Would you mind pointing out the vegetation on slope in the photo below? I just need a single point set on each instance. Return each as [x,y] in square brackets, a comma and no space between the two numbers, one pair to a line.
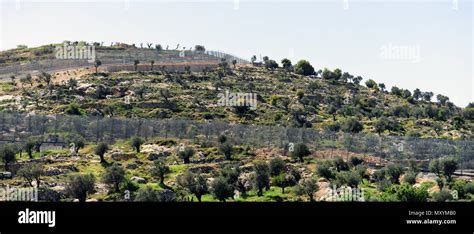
[217,170]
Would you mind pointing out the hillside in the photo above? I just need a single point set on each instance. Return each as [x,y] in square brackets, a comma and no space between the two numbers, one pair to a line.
[215,129]
[284,98]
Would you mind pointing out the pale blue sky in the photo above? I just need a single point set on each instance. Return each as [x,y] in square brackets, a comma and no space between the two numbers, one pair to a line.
[322,32]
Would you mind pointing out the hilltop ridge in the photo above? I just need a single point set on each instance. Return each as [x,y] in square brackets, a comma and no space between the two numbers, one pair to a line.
[293,95]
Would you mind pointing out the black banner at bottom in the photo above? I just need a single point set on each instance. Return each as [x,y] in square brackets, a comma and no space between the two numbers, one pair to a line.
[333,217]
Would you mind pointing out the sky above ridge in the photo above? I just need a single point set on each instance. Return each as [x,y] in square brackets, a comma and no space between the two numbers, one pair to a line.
[411,44]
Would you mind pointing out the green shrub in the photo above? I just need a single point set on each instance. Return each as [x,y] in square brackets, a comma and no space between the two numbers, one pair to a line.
[407,193]
[349,178]
[146,194]
[340,164]
[362,171]
[442,196]
[277,166]
[356,161]
[324,170]
[352,125]
[459,186]
[303,67]
[74,109]
[469,188]
[410,178]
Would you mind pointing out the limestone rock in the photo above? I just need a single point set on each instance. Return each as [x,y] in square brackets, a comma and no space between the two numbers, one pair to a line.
[139,180]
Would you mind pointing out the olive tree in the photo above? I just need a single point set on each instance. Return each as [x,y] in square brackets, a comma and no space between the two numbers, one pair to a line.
[160,170]
[136,143]
[194,183]
[80,186]
[300,151]
[226,149]
[450,165]
[284,180]
[307,188]
[286,63]
[221,189]
[435,167]
[410,178]
[100,150]
[261,179]
[303,67]
[135,64]
[7,155]
[186,153]
[29,147]
[97,64]
[324,170]
[114,176]
[394,171]
[31,172]
[277,166]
